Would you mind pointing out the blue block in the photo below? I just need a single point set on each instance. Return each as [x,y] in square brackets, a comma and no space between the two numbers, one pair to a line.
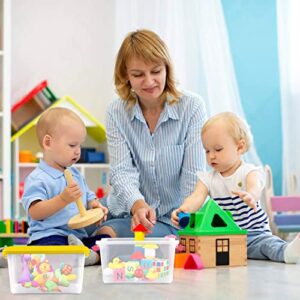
[184,219]
[95,157]
[84,154]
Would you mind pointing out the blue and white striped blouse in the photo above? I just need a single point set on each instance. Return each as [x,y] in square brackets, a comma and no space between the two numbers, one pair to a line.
[159,168]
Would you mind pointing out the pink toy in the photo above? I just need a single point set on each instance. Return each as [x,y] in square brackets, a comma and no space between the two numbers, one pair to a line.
[193,262]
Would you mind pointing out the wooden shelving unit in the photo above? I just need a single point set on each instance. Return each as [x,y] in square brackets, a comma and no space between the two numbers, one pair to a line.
[96,174]
[5,120]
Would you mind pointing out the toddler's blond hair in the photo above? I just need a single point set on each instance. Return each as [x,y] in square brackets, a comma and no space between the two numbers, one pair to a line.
[52,120]
[237,127]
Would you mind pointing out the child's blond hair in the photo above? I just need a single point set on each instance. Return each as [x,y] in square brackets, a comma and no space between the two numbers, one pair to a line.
[237,127]
[51,121]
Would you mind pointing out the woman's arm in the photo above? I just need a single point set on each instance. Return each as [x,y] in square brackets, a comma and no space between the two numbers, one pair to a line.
[194,158]
[124,177]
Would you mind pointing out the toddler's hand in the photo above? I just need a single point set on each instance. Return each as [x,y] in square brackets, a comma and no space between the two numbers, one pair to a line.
[71,193]
[96,204]
[247,198]
[174,216]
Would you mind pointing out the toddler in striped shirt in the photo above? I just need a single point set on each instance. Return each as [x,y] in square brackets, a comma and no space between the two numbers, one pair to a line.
[237,186]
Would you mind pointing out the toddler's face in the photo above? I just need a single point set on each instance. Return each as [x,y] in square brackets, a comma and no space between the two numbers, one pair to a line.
[65,148]
[223,154]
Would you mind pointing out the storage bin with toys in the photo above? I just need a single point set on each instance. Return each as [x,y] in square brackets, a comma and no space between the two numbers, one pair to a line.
[46,269]
[126,260]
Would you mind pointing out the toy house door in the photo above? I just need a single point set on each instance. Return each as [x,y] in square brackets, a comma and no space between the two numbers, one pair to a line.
[222,252]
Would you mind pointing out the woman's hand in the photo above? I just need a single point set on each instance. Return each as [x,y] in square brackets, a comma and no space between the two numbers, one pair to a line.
[143,214]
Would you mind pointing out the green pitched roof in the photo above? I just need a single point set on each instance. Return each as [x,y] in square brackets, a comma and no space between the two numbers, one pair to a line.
[211,220]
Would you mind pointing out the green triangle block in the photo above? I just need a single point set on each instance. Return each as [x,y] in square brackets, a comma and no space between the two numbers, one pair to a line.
[211,219]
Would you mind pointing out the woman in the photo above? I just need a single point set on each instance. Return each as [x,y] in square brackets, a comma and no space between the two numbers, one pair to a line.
[154,143]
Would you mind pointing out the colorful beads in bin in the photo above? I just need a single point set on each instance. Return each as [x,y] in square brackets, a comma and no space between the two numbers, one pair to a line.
[46,269]
[129,261]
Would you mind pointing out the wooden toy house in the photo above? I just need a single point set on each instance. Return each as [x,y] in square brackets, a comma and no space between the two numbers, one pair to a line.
[213,234]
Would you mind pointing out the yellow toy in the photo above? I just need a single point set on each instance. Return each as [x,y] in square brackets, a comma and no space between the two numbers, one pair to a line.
[85,217]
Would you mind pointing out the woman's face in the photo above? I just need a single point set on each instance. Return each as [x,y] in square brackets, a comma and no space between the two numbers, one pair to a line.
[148,80]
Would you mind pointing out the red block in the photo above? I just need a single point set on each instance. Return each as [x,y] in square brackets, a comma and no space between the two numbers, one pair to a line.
[193,262]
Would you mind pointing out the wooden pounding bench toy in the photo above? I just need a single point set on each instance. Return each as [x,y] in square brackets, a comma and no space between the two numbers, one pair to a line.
[85,217]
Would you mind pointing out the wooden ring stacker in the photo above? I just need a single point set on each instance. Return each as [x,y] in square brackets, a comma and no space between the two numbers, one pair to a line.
[85,217]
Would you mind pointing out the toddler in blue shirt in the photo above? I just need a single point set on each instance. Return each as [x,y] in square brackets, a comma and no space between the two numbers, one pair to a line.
[48,200]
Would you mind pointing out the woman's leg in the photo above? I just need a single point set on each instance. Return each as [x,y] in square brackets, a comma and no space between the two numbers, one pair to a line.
[122,228]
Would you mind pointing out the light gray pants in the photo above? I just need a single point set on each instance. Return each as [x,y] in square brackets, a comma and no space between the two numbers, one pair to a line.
[265,246]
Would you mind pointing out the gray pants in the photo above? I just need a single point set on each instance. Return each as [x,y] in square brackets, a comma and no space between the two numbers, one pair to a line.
[265,246]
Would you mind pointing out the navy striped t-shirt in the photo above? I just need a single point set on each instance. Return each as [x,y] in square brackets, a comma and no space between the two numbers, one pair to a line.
[220,188]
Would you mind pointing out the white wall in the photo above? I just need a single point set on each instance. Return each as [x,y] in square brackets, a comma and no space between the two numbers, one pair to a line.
[69,43]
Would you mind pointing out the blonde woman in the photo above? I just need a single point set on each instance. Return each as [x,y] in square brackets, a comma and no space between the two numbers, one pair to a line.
[153,133]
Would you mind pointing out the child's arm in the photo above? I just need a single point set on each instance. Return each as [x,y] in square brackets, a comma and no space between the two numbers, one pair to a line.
[96,203]
[254,187]
[192,203]
[42,209]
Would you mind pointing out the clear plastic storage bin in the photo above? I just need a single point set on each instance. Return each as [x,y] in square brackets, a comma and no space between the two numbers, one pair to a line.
[125,260]
[46,269]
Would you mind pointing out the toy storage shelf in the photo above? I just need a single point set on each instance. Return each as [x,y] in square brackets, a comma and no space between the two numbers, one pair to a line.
[96,175]
[5,147]
[14,235]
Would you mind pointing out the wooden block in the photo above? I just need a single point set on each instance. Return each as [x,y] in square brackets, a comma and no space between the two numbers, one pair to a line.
[180,259]
[119,275]
[193,262]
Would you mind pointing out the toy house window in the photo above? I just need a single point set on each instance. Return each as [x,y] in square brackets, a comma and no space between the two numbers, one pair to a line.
[217,221]
[192,245]
[183,243]
[222,245]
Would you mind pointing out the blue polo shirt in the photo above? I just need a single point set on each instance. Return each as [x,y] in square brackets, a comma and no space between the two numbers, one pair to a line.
[44,183]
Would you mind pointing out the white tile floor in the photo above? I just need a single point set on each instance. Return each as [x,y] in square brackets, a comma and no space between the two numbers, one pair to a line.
[259,280]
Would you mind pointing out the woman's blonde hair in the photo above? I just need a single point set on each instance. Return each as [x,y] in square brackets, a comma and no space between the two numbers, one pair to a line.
[51,121]
[237,127]
[149,47]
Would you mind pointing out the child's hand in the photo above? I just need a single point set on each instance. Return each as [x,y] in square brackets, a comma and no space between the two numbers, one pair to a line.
[174,216]
[71,193]
[96,204]
[247,198]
